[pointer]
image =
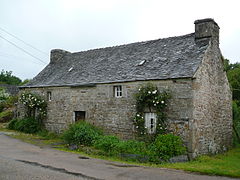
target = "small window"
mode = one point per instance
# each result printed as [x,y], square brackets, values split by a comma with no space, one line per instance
[79,115]
[118,91]
[151,122]
[49,96]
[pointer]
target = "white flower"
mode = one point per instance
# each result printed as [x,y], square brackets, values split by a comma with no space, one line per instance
[136,126]
[149,92]
[154,104]
[157,102]
[153,101]
[162,102]
[138,115]
[145,127]
[154,92]
[139,89]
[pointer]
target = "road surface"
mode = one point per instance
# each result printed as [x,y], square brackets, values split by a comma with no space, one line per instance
[23,161]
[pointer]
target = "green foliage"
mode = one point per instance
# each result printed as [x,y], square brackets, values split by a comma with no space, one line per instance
[8,103]
[81,133]
[6,77]
[163,148]
[131,147]
[47,135]
[25,82]
[234,79]
[236,123]
[226,164]
[26,125]
[113,146]
[3,95]
[233,74]
[107,144]
[151,99]
[11,124]
[6,116]
[166,146]
[34,102]
[148,96]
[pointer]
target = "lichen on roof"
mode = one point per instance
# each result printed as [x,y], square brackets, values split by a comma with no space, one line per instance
[168,58]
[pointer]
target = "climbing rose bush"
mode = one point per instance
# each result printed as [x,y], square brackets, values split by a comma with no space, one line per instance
[32,101]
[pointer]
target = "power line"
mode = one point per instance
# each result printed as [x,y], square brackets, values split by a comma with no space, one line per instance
[24,42]
[23,50]
[11,56]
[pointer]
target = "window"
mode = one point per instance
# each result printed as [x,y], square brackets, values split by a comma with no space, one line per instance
[49,96]
[117,91]
[79,115]
[150,122]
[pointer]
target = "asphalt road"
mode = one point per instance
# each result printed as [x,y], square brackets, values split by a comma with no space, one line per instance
[23,161]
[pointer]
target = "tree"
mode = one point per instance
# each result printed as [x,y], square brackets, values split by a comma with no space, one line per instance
[25,82]
[233,74]
[6,77]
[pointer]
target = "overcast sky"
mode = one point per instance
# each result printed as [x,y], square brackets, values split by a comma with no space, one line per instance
[77,25]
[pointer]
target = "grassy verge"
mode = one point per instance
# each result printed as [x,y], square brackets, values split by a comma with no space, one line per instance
[38,140]
[227,164]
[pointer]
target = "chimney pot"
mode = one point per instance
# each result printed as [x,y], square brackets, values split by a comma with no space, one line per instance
[57,54]
[206,28]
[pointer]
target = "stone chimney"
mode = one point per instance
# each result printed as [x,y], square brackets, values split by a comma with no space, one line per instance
[57,54]
[207,28]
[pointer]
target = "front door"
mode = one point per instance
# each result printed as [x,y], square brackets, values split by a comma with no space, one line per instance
[151,122]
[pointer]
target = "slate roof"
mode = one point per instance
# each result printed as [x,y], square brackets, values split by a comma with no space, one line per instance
[10,89]
[174,57]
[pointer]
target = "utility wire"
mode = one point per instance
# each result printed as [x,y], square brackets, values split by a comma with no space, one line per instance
[23,50]
[9,57]
[46,54]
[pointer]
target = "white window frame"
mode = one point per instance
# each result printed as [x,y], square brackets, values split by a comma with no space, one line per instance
[49,96]
[151,122]
[118,91]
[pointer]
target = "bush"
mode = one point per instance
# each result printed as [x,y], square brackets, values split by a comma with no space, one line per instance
[236,123]
[165,146]
[11,124]
[81,133]
[107,144]
[131,147]
[6,116]
[27,125]
[45,134]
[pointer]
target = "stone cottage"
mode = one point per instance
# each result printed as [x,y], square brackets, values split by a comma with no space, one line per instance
[98,86]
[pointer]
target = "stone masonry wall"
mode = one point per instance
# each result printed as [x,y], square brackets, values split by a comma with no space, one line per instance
[211,126]
[115,114]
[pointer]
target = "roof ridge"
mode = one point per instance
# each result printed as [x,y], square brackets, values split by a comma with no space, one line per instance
[128,44]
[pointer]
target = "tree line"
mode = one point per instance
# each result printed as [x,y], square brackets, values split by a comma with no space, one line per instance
[6,77]
[233,75]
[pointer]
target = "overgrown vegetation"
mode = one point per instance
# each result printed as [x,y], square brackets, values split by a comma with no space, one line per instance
[81,133]
[166,146]
[26,125]
[151,99]
[233,74]
[34,103]
[163,148]
[7,104]
[226,164]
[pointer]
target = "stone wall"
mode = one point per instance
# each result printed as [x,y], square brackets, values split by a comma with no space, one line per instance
[211,126]
[115,114]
